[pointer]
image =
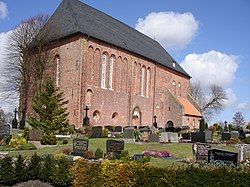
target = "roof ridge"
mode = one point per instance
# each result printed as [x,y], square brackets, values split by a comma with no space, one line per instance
[72,13]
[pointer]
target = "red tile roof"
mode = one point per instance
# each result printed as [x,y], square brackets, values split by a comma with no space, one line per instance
[189,108]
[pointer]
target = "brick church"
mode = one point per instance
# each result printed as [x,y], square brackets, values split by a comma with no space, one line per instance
[122,75]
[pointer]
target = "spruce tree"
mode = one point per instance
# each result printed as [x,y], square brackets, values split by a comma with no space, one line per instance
[51,115]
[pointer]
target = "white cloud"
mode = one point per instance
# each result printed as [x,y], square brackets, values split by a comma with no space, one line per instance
[3,10]
[231,98]
[211,68]
[172,30]
[243,107]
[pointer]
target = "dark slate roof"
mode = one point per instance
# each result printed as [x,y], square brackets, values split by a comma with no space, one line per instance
[73,16]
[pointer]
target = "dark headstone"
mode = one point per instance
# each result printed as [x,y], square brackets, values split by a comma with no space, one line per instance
[138,156]
[200,151]
[115,146]
[198,136]
[186,136]
[169,129]
[129,133]
[22,124]
[225,136]
[118,128]
[221,158]
[177,129]
[14,123]
[153,138]
[97,132]
[80,146]
[35,135]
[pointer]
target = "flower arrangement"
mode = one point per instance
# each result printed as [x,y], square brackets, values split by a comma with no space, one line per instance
[157,153]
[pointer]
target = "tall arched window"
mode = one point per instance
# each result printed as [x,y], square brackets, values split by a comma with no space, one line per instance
[57,70]
[89,97]
[174,87]
[179,89]
[104,59]
[143,71]
[111,68]
[147,82]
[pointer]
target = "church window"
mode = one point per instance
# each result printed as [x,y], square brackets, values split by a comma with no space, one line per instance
[174,87]
[143,80]
[89,96]
[179,89]
[147,82]
[57,70]
[111,68]
[104,59]
[174,64]
[96,116]
[115,117]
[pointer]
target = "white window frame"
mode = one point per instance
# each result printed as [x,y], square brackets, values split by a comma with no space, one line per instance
[57,71]
[111,69]
[104,61]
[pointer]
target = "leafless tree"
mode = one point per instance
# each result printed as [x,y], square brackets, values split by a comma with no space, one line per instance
[23,38]
[238,119]
[211,103]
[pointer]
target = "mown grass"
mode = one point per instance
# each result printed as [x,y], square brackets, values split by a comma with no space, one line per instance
[181,151]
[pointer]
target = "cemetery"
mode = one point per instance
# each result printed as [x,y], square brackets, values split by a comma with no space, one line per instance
[144,149]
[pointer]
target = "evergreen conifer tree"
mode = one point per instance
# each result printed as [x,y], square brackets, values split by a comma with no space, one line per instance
[51,115]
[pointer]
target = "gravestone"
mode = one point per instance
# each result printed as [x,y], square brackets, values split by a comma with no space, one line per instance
[118,129]
[200,151]
[35,135]
[198,136]
[4,131]
[80,146]
[14,121]
[169,134]
[138,156]
[208,136]
[221,158]
[186,136]
[114,146]
[22,124]
[97,132]
[129,133]
[161,130]
[243,152]
[235,134]
[153,138]
[174,138]
[153,130]
[225,136]
[164,137]
[129,136]
[169,129]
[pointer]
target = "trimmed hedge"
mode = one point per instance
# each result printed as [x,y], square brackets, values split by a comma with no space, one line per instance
[132,174]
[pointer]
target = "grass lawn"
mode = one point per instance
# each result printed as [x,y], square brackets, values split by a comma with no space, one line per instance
[179,150]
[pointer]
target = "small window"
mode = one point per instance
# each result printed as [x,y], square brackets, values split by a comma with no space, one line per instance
[174,64]
[111,68]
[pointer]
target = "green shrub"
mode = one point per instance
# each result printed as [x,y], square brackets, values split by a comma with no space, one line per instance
[98,153]
[61,173]
[34,167]
[105,133]
[26,133]
[247,140]
[86,173]
[234,140]
[125,156]
[49,139]
[7,171]
[46,168]
[28,146]
[20,169]
[65,141]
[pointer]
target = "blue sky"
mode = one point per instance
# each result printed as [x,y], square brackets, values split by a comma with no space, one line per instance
[209,38]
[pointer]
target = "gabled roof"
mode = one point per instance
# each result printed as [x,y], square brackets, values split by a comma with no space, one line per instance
[73,16]
[189,109]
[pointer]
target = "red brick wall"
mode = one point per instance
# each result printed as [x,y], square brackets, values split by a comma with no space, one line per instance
[80,80]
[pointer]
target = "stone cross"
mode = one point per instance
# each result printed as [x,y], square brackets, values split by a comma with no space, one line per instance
[86,118]
[15,112]
[155,123]
[14,121]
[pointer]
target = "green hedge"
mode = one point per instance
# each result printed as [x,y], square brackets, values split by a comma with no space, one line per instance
[133,174]
[61,171]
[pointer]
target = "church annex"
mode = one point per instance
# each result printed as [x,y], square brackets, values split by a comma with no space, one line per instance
[125,77]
